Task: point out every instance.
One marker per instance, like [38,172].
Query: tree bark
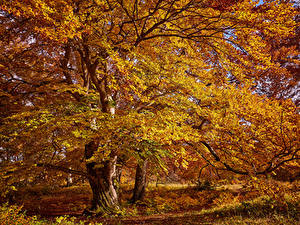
[140,182]
[101,178]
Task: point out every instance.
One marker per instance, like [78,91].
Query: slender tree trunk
[140,182]
[119,169]
[101,179]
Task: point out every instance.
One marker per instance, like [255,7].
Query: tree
[111,79]
[284,51]
[256,138]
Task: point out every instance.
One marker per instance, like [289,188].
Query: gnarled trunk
[101,179]
[140,182]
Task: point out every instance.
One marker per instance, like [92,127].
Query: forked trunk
[140,182]
[101,178]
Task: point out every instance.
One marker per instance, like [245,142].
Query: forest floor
[168,204]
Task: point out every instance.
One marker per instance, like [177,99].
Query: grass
[267,220]
[165,204]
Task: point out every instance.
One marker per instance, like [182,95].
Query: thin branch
[64,169]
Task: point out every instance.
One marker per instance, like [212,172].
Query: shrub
[14,215]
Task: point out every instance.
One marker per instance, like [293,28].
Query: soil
[72,202]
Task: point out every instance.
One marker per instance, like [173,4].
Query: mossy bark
[101,178]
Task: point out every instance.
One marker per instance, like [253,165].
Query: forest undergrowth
[163,204]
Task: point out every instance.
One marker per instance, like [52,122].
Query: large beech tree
[89,83]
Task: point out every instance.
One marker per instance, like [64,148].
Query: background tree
[283,82]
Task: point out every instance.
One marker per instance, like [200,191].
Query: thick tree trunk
[140,182]
[101,179]
[102,176]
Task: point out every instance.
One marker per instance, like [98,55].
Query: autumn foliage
[90,87]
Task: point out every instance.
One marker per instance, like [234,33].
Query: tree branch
[61,168]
